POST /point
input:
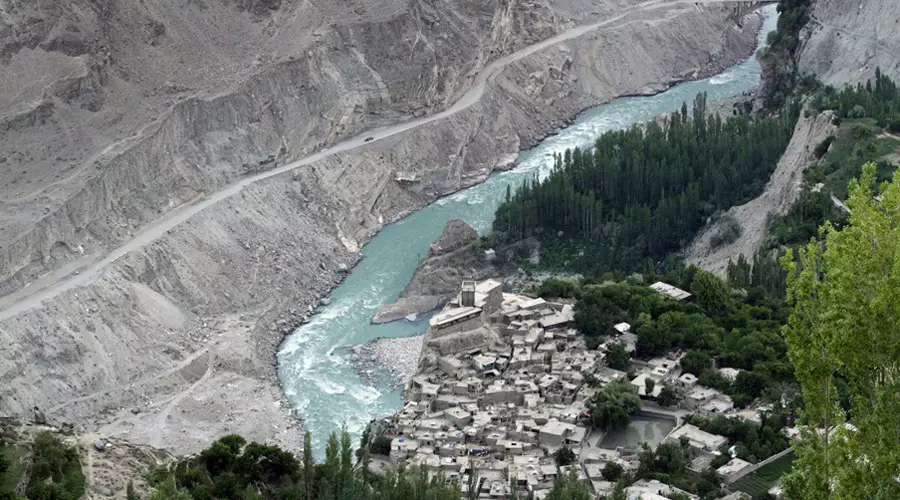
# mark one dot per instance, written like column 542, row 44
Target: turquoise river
column 320, row 383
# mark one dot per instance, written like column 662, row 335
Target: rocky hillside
column 116, row 113
column 846, row 40
column 842, row 43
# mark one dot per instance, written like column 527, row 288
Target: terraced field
column 759, row 482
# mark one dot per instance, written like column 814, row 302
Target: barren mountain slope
column 843, row 43
column 172, row 343
column 847, row 39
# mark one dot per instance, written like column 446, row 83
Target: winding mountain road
column 33, row 295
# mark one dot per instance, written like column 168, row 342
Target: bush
column 381, row 446
column 823, row 146
column 564, row 289
column 564, row 456
column 612, row 471
column 667, row 397
column 728, row 231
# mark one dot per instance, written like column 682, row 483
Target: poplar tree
column 843, row 287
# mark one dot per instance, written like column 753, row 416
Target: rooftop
column 670, row 291
column 452, row 315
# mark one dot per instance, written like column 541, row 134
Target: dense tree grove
column 842, row 337
column 640, row 193
column 719, row 329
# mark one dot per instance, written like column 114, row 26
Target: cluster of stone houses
column 501, row 387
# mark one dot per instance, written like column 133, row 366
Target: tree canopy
column 638, row 194
column 843, row 288
column 613, row 406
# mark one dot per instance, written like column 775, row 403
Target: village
column 505, row 381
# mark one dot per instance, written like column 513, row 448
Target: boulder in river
column 406, row 306
column 456, row 235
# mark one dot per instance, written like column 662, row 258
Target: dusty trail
column 25, row 300
column 878, row 43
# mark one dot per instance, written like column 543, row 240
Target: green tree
column 711, row 292
column 696, row 362
column 568, row 487
column 129, row 492
column 617, row 357
column 309, row 471
column 667, row 397
column 843, row 288
column 564, row 456
column 612, row 471
column 614, row 404
column 649, row 385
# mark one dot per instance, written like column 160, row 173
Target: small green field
column 760, row 481
column 14, row 454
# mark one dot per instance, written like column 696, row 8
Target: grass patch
column 15, row 456
column 763, row 479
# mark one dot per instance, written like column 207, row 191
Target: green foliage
column 714, row 379
column 750, row 384
column 231, row 468
column 779, row 56
column 616, row 357
column 613, row 406
column 381, row 445
column 667, row 397
column 55, row 472
column 711, row 292
column 823, row 146
column 845, row 311
column 636, row 196
column 558, row 288
column 564, row 456
column 696, row 362
column 728, row 230
column 757, row 441
column 864, row 113
column 740, row 331
column 129, row 492
column 567, row 487
column 612, row 471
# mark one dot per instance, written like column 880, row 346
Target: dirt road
column 33, row 296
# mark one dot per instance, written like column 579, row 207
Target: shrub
column 612, row 471
column 728, row 231
column 564, row 456
column 823, row 146
column 381, row 446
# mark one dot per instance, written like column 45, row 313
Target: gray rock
column 100, row 445
column 39, row 417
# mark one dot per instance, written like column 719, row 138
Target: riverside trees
column 842, row 332
column 640, row 193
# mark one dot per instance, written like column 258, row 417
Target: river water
column 317, row 377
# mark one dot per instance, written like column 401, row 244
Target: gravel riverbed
column 391, row 361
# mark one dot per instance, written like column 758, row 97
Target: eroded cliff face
column 165, row 102
column 847, row 39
